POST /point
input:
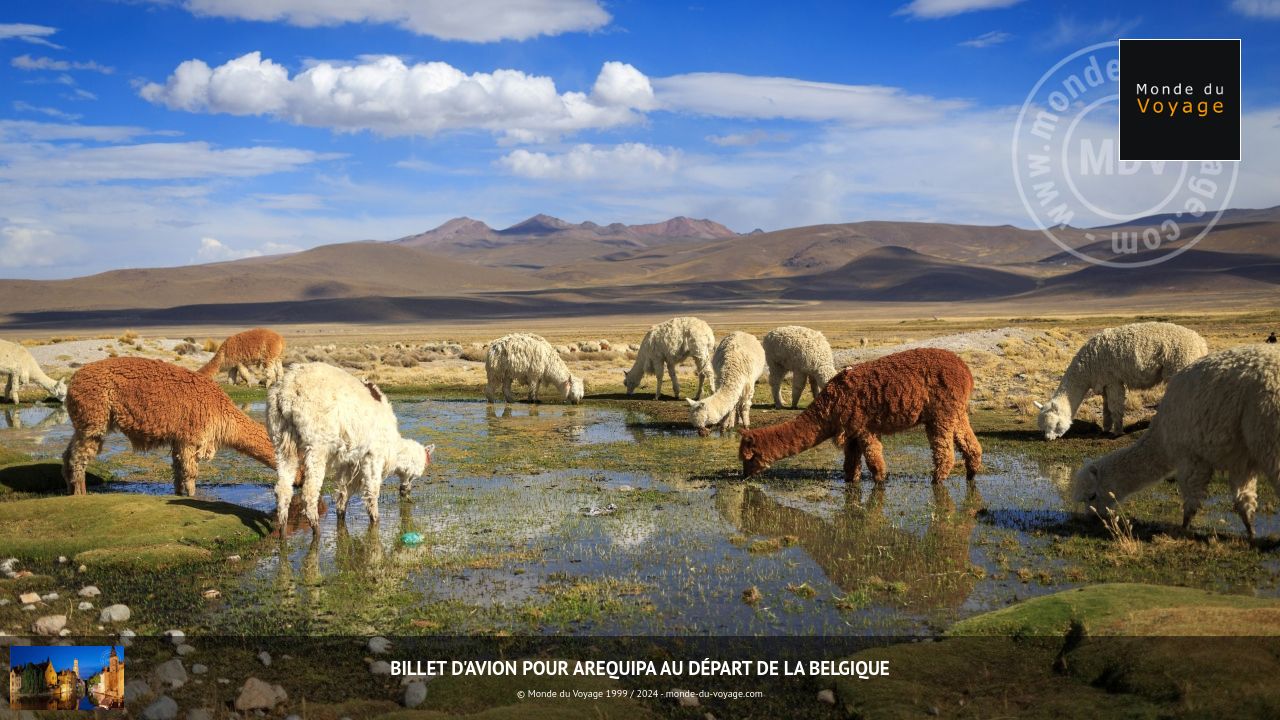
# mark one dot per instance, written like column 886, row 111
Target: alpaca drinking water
column 21, row 368
column 738, row 363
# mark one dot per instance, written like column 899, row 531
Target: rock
column 415, row 694
column 126, row 636
column 686, row 699
column 49, row 625
column 185, row 649
column 49, row 597
column 114, row 613
column 84, row 605
column 211, row 594
column 200, row 714
column 62, row 559
column 83, row 568
column 4, row 601
column 233, row 558
column 381, row 667
column 264, row 657
column 379, row 645
column 177, row 637
column 256, row 694
column 171, row 673
column 64, row 632
column 9, row 566
column 136, row 690
column 29, row 608
column 223, row 681
column 198, row 669
column 827, row 697
column 164, row 708
column 29, row 598
column 292, row 717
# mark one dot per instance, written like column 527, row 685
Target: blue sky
column 167, row 132
column 92, row 658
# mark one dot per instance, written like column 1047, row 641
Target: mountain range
column 545, row 266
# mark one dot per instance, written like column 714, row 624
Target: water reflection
column 859, row 548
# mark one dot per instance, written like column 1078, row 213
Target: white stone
column 49, row 597
column 49, row 625
column 177, row 637
column 264, row 657
column 379, row 645
column 256, row 694
column 114, row 613
column 415, row 694
column 381, row 667
column 185, row 649
column 171, row 673
column 827, row 697
column 85, row 605
column 199, row 669
column 135, row 690
column 164, row 708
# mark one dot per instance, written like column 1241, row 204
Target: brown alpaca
column 259, row 346
column 156, row 404
column 927, row 387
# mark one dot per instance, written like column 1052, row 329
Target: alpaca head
column 700, row 416
column 59, row 391
column 752, row 461
column 1055, row 417
column 412, row 459
column 631, row 380
column 573, row 390
column 1092, row 486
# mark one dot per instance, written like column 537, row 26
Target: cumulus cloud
column 933, row 9
column 34, row 34
column 28, row 245
column 1258, row 8
column 214, row 250
column 44, row 163
column 589, row 162
column 987, row 39
column 26, row 62
column 387, row 96
column 747, row 139
column 750, row 96
column 474, row 21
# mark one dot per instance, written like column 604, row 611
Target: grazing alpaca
column 259, row 346
column 668, row 344
column 17, row 363
column 155, row 404
column 1221, row 413
column 1136, row 357
column 885, row 396
column 802, row 352
column 322, row 417
column 738, row 363
column 532, row 360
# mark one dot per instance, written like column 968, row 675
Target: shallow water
column 514, row 550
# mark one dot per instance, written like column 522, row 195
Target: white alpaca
column 1221, row 413
column 1129, row 357
column 17, row 363
column 668, row 344
column 738, row 363
column 324, row 418
column 802, row 352
column 531, row 360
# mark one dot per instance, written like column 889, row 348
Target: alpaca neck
column 1073, row 388
column 725, row 398
column 244, row 435
column 789, row 438
column 37, row 376
column 214, row 365
column 1137, row 466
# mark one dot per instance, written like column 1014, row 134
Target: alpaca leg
column 371, row 477
column 744, row 406
column 658, row 369
column 702, row 380
column 535, row 386
column 342, row 491
column 944, row 451
column 873, row 451
column 776, row 376
column 489, row 389
column 1245, row 488
column 79, row 452
column 11, row 389
column 288, row 475
column 185, row 469
column 313, row 470
column 853, row 451
column 797, row 388
column 970, row 448
column 506, row 390
column 675, row 382
column 1193, row 485
column 245, row 376
column 815, row 387
column 1113, row 397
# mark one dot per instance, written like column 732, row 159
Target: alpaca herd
column 1220, row 412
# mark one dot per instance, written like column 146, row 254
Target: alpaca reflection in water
column 859, row 549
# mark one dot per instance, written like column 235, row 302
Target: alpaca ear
column 692, row 403
column 1039, row 405
column 429, row 450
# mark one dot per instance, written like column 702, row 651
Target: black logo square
column 1180, row 100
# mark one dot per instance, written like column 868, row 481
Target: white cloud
column 34, row 34
column 214, row 250
column 1070, row 31
column 625, row 162
column 475, row 21
column 289, row 201
column 388, row 97
column 26, row 62
column 27, row 245
column 750, row 96
column 933, row 9
column 1258, row 8
column 44, row 163
column 22, row 106
column 747, row 139
column 28, row 130
column 987, row 39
